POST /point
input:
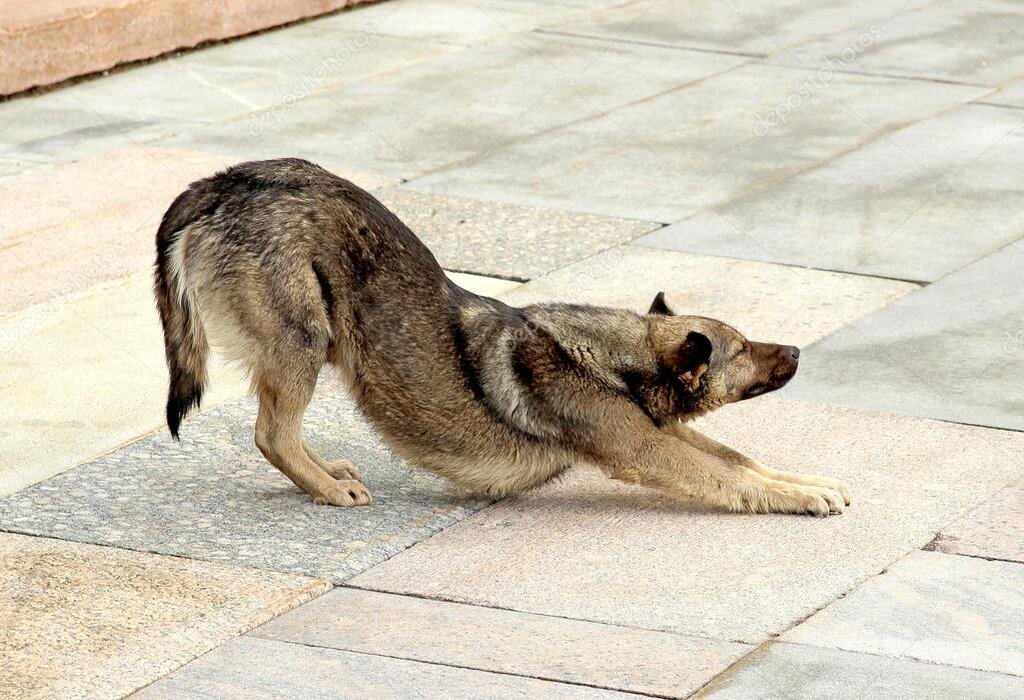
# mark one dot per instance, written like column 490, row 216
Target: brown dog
column 288, row 267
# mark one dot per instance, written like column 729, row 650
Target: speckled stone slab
column 247, row 668
column 214, row 497
column 899, row 207
column 953, row 350
column 98, row 622
column 506, row 240
column 786, row 670
column 935, row 607
column 993, row 530
column 591, row 548
column 765, row 302
column 504, row 641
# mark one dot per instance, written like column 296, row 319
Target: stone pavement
column 840, row 175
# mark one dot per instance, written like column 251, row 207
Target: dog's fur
column 289, row 267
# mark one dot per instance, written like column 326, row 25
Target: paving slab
column 215, row 497
column 919, row 204
column 953, row 350
column 507, row 88
column 503, row 641
column 918, row 42
column 784, row 670
column 260, row 668
column 91, row 621
column 935, row 607
column 993, row 530
column 1009, row 95
column 81, row 375
column 758, row 29
column 590, row 548
column 767, row 302
column 72, row 225
column 700, row 146
column 507, row 240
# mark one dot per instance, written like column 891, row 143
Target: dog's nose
column 793, row 353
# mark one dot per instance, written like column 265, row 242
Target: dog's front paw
column 343, row 470
column 804, row 499
column 346, row 492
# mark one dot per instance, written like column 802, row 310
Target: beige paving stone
column 590, row 548
column 479, row 284
column 764, row 301
column 86, row 621
column 247, row 668
column 504, row 641
column 935, row 607
column 993, row 530
column 82, row 374
column 790, row 670
column 72, row 225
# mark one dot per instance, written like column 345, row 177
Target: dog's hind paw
column 343, row 470
column 345, row 493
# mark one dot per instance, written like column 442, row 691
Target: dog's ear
column 690, row 359
column 659, row 307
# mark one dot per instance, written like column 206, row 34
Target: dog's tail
column 185, row 341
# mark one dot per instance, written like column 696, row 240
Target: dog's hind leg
column 339, row 469
column 283, row 397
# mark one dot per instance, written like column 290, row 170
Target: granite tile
column 215, row 497
column 959, row 40
column 699, row 146
column 993, row 530
column 85, row 621
column 81, row 375
column 260, row 668
column 507, row 88
column 573, row 547
column 507, row 240
column 953, row 350
column 767, row 302
column 746, row 26
column 934, row 607
column 784, row 670
column 503, row 641
column 919, row 204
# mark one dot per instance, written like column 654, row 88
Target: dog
column 287, row 267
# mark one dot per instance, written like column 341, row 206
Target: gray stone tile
column 919, row 204
column 993, row 530
column 506, row 240
column 214, row 497
column 935, row 607
column 961, row 40
column 504, row 641
column 409, row 121
column 787, row 670
column 757, row 28
column 703, row 145
column 1010, row 95
column 590, row 548
column 259, row 668
column 770, row 302
column 464, row 23
column 953, row 350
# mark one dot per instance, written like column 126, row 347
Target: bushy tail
column 184, row 338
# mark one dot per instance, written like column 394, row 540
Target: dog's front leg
column 709, row 446
column 660, row 460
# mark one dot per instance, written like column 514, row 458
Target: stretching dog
column 288, row 267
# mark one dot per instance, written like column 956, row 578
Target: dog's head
column 705, row 363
